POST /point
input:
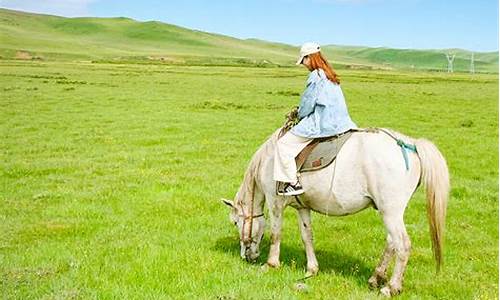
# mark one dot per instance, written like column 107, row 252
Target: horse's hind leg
column 307, row 238
column 380, row 274
column 401, row 245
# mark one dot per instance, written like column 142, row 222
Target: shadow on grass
column 332, row 261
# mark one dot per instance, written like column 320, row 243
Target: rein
column 249, row 238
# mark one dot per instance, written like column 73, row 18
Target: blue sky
column 422, row 24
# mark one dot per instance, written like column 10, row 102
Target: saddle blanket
column 321, row 152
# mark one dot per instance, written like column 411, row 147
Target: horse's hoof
column 309, row 274
column 376, row 281
column 390, row 290
column 273, row 264
column 386, row 291
column 312, row 272
column 373, row 282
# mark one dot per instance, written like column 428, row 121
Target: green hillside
column 52, row 37
column 409, row 58
column 35, row 36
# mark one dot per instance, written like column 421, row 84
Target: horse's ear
column 227, row 202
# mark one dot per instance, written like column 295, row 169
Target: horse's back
column 369, row 169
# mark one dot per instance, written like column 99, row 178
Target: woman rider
column 322, row 112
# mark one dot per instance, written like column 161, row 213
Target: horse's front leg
column 304, row 215
column 276, row 207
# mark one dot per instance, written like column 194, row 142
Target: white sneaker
column 291, row 190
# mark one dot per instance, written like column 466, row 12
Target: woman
column 322, row 112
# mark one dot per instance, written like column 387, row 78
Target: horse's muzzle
column 250, row 256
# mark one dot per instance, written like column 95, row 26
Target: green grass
column 111, row 174
column 122, row 39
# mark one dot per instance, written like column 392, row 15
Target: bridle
column 248, row 240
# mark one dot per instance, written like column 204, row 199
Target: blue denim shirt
column 322, row 109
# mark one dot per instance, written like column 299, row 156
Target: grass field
column 111, row 176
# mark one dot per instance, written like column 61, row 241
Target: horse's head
column 250, row 228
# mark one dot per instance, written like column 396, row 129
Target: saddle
column 321, row 152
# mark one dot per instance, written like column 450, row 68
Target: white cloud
column 69, row 8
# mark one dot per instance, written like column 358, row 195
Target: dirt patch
column 25, row 55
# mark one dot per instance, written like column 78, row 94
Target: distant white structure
column 450, row 57
column 472, row 68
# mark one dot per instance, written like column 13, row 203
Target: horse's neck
column 249, row 199
column 249, row 195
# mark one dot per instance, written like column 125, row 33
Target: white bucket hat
column 306, row 49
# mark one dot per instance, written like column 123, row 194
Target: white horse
column 369, row 171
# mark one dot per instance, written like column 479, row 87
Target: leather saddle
column 321, row 152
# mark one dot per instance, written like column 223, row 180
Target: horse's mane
column 247, row 187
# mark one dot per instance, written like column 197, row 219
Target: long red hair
column 318, row 61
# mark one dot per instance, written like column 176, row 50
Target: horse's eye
column 235, row 223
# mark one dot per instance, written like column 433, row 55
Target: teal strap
column 404, row 148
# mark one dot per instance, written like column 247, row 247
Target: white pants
column 287, row 148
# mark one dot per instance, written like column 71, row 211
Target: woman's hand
column 292, row 118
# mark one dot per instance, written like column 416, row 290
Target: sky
column 417, row 24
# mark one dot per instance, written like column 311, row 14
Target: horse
column 369, row 171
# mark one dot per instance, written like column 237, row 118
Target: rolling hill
column 45, row 37
column 418, row 59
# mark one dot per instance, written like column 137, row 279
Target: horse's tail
column 435, row 177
